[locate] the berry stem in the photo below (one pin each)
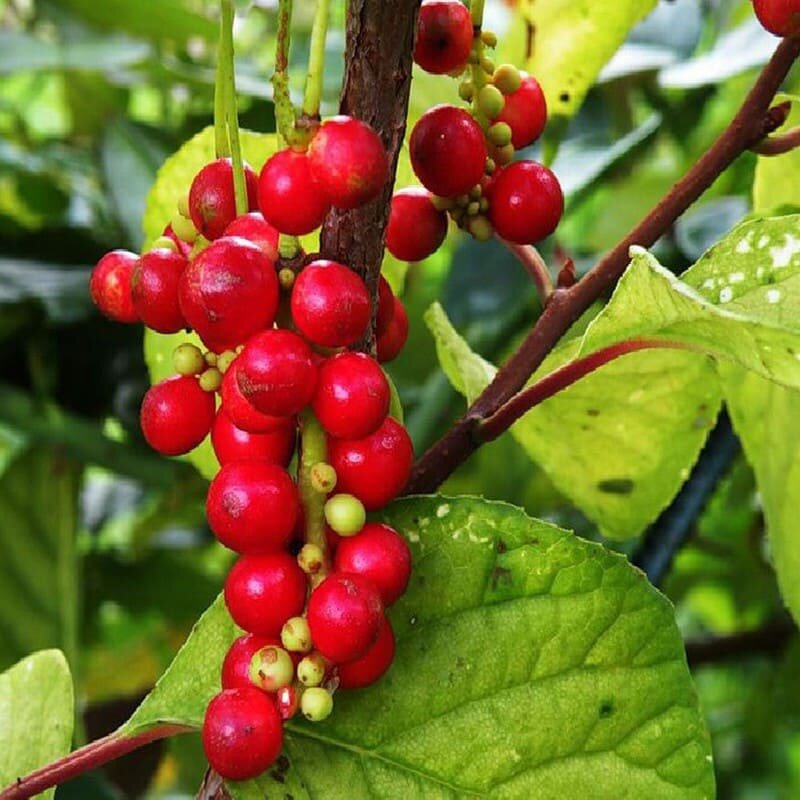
(284, 109)
(221, 144)
(313, 450)
(316, 61)
(778, 145)
(479, 78)
(535, 266)
(228, 74)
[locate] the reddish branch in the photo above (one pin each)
(87, 758)
(778, 145)
(754, 120)
(535, 266)
(770, 640)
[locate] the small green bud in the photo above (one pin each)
(490, 166)
(316, 704)
(188, 359)
(480, 228)
(466, 91)
(504, 155)
(507, 78)
(473, 208)
(345, 514)
(224, 361)
(489, 38)
(442, 203)
(476, 192)
(286, 278)
(500, 134)
(487, 65)
(483, 203)
(211, 358)
(311, 670)
(271, 668)
(211, 380)
(164, 243)
(183, 228)
(310, 559)
(296, 635)
(462, 201)
(183, 206)
(473, 58)
(323, 478)
(491, 101)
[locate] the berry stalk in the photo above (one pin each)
(313, 451)
(284, 109)
(316, 61)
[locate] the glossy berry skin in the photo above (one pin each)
(781, 17)
(236, 666)
(110, 286)
(252, 506)
(233, 444)
(243, 414)
(228, 292)
(380, 554)
(385, 306)
(393, 340)
(352, 397)
(330, 304)
(448, 151)
(242, 733)
(212, 201)
(289, 196)
(444, 36)
(372, 665)
(176, 415)
(154, 290)
(262, 592)
(345, 615)
(525, 112)
(374, 468)
(276, 373)
(416, 229)
(525, 202)
(257, 230)
(287, 701)
(349, 161)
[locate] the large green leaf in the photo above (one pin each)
(36, 715)
(530, 663)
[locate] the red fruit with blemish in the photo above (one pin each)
(243, 414)
(228, 292)
(372, 665)
(252, 506)
(444, 36)
(416, 229)
(212, 199)
(236, 666)
(154, 289)
(110, 286)
(525, 112)
(391, 342)
(176, 415)
(257, 230)
(234, 444)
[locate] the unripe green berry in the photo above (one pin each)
(271, 668)
(487, 65)
(480, 228)
(188, 359)
(476, 192)
(504, 155)
(310, 559)
(491, 101)
(183, 228)
(490, 166)
(311, 670)
(224, 361)
(507, 78)
(210, 358)
(211, 380)
(286, 278)
(462, 201)
(483, 203)
(323, 478)
(500, 134)
(442, 203)
(489, 38)
(296, 635)
(466, 90)
(183, 206)
(164, 243)
(473, 58)
(316, 704)
(473, 208)
(345, 514)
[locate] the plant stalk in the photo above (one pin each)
(316, 61)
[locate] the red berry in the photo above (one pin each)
(228, 292)
(257, 230)
(212, 201)
(352, 397)
(236, 666)
(184, 248)
(176, 415)
(252, 506)
(263, 592)
(289, 196)
(288, 701)
(448, 151)
(241, 411)
(349, 161)
(233, 444)
(242, 733)
(344, 614)
(781, 17)
(276, 373)
(444, 36)
(372, 665)
(525, 112)
(380, 554)
(416, 229)
(385, 306)
(374, 468)
(110, 285)
(393, 340)
(525, 202)
(154, 290)
(330, 304)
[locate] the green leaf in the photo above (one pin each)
(38, 570)
(36, 715)
(530, 663)
(776, 178)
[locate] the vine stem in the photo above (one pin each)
(535, 266)
(316, 61)
(314, 450)
(778, 145)
(284, 109)
(754, 120)
(87, 758)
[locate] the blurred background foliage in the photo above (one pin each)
(104, 548)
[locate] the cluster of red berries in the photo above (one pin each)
(312, 612)
(781, 17)
(465, 158)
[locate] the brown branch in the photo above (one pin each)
(752, 123)
(535, 266)
(85, 759)
(778, 145)
(377, 83)
(769, 640)
(213, 787)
